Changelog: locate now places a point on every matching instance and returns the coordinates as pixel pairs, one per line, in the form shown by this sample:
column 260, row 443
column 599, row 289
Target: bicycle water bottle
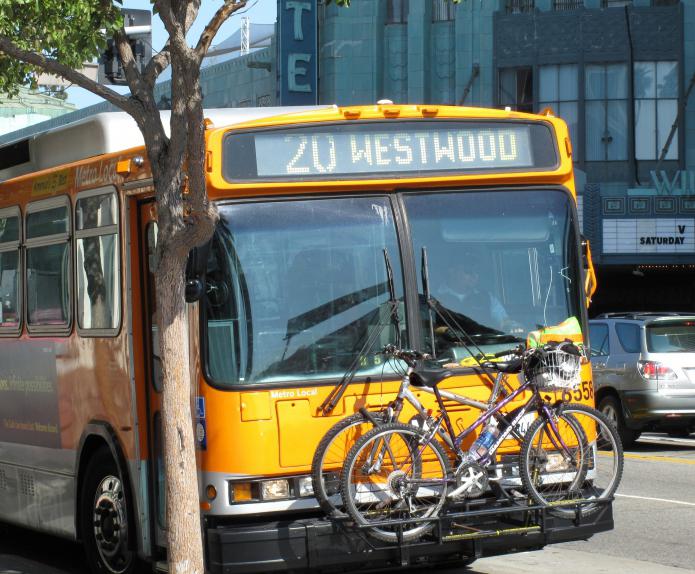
column 485, row 440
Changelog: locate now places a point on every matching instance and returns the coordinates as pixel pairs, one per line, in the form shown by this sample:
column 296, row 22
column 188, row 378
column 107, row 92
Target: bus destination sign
column 399, row 149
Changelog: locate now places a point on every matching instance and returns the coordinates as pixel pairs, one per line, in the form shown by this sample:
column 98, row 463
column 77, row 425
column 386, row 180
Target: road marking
column 659, row 458
column 656, row 499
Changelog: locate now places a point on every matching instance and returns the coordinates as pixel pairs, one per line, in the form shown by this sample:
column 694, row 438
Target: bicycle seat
column 430, row 377
column 513, row 366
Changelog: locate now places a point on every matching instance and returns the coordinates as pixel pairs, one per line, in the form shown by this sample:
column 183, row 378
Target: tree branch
column 157, row 64
column 77, row 78
column 177, row 33
column 220, row 17
column 130, row 67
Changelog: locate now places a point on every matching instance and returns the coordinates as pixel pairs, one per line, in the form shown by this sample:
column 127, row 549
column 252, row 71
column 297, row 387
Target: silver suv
column 644, row 371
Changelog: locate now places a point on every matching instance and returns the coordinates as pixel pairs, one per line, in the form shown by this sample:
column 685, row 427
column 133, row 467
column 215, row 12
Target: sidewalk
column 16, row 565
column 567, row 562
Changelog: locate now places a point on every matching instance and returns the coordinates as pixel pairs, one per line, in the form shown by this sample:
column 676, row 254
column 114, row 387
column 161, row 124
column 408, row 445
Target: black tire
column 542, row 483
column 601, row 462
column 105, row 517
column 679, row 433
column 407, row 463
column 330, row 455
column 610, row 406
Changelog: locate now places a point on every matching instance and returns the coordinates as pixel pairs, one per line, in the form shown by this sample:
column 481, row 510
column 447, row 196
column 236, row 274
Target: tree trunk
column 185, row 552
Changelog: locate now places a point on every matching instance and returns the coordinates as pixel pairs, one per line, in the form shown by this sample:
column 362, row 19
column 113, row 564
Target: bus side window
column 97, row 261
column 48, row 265
column 10, row 286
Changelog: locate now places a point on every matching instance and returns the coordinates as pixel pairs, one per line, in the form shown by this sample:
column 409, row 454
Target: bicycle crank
column 472, row 481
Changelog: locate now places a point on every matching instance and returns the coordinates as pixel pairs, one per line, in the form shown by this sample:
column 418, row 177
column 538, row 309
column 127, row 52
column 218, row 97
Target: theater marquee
column 662, row 235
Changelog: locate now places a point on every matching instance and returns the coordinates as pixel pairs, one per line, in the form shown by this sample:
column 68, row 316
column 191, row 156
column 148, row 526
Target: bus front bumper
column 317, row 544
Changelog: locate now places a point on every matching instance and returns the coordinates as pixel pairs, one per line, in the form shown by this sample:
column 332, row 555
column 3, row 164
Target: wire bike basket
column 555, row 369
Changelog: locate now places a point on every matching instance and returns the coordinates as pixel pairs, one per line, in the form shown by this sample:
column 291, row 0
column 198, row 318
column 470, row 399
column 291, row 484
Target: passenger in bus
column 463, row 294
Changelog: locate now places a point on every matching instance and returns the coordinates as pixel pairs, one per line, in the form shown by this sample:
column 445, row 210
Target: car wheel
column 610, row 406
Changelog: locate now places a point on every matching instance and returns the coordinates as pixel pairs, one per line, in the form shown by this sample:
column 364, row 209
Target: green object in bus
column 568, row 329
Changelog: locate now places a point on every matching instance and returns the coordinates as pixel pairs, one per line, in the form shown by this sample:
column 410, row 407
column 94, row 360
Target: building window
column 396, row 11
column 665, row 2
column 568, row 4
column 443, row 10
column 615, row 3
column 516, row 88
column 519, row 6
column 606, row 112
column 639, row 204
column 558, row 88
column 665, row 205
column 97, row 261
column 656, row 108
column 613, row 206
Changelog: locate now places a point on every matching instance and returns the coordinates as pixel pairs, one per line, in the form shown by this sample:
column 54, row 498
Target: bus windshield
column 295, row 288
column 500, row 264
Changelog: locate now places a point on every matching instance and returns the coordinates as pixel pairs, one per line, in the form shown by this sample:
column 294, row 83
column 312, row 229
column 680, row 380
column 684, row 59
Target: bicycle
column 336, row 443
column 397, row 478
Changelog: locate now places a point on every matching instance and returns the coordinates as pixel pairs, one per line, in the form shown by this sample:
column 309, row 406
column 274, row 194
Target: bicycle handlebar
column 411, row 357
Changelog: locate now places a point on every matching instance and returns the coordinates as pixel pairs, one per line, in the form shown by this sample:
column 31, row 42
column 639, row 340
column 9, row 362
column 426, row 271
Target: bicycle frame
column 451, row 438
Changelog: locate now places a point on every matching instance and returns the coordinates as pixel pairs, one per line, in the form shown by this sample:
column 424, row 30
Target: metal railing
column 615, row 3
column 560, row 5
column 443, row 10
column 519, row 6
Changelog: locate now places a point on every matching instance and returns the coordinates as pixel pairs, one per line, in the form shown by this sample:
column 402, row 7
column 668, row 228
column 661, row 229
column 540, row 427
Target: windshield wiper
column 449, row 320
column 336, row 394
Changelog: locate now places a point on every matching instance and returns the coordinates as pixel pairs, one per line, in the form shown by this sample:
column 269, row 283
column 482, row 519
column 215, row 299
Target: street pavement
column 654, row 514
column 554, row 559
column 17, row 565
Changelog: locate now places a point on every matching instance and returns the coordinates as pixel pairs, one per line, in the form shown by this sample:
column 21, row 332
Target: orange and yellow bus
column 294, row 281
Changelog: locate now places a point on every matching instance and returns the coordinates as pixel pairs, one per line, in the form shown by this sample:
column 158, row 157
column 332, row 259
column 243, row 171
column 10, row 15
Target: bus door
column 151, row 372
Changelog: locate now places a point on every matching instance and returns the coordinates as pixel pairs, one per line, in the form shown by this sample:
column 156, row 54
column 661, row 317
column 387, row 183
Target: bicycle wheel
column 605, row 456
column 553, row 461
column 569, row 463
column 329, row 458
column 393, row 475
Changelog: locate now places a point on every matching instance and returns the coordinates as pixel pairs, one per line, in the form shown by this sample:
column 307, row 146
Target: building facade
column 620, row 72
column 29, row 107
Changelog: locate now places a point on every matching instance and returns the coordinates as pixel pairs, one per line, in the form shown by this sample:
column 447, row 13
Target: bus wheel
column 105, row 522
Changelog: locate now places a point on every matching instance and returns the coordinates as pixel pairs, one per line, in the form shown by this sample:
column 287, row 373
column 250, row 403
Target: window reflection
column 295, row 289
column 500, row 264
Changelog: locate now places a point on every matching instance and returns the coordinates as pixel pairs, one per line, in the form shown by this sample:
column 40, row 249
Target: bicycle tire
column 591, row 479
column 607, row 451
column 390, row 488
column 327, row 463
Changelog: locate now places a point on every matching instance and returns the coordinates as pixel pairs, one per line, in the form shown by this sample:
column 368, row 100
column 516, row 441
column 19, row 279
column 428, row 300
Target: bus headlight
column 305, row 486
column 275, row 489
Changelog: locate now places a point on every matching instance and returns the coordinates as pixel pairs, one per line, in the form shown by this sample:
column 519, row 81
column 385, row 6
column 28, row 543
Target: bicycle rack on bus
column 534, row 519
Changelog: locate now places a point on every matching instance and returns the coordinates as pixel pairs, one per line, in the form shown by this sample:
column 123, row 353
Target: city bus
column 318, row 207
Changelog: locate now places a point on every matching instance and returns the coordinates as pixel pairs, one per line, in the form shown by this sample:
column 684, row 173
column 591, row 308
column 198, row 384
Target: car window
column 671, row 337
column 598, row 335
column 628, row 335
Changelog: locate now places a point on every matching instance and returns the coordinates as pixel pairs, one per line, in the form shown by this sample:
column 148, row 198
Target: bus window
column 294, row 289
column 501, row 264
column 48, row 264
column 9, row 270
column 98, row 275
